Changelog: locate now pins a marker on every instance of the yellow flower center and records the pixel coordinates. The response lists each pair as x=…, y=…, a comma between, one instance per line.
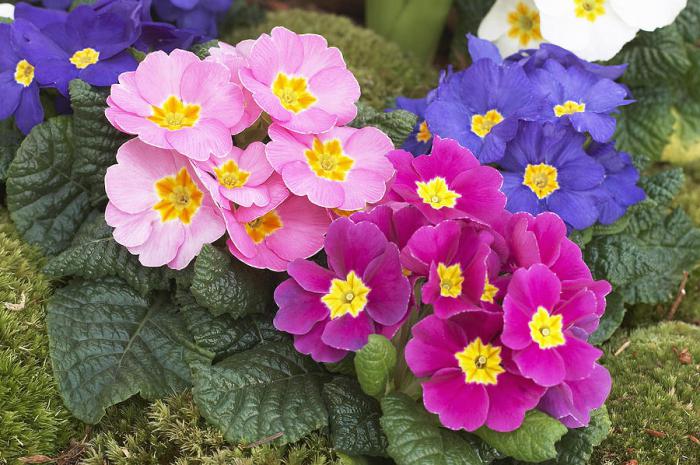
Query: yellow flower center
x=541, y=179
x=546, y=330
x=24, y=73
x=344, y=213
x=490, y=291
x=481, y=363
x=482, y=124
x=230, y=176
x=293, y=93
x=589, y=9
x=569, y=108
x=346, y=296
x=179, y=197
x=424, y=134
x=436, y=193
x=524, y=24
x=262, y=227
x=85, y=57
x=328, y=161
x=451, y=280
x=174, y=114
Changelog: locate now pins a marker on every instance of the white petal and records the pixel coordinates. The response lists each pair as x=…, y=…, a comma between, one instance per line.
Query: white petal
x=566, y=31
x=495, y=23
x=555, y=7
x=609, y=35
x=7, y=10
x=508, y=46
x=648, y=14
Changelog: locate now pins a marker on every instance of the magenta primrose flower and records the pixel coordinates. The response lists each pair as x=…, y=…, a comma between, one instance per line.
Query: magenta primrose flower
x=538, y=327
x=472, y=381
x=397, y=225
x=158, y=207
x=363, y=291
x=448, y=184
x=344, y=168
x=300, y=82
x=166, y=105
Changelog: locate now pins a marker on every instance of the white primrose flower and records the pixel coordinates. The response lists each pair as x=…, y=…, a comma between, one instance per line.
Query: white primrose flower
x=7, y=10
x=598, y=29
x=512, y=25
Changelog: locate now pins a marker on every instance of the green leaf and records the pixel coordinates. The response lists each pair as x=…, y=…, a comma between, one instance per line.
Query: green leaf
x=47, y=197
x=688, y=22
x=10, y=138
x=415, y=438
x=577, y=445
x=225, y=285
x=611, y=320
x=261, y=393
x=108, y=343
x=95, y=140
x=354, y=419
x=396, y=124
x=374, y=365
x=534, y=441
x=95, y=254
x=202, y=50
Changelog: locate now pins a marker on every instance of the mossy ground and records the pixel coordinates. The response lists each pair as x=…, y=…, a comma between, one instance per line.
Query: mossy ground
x=655, y=401
x=382, y=69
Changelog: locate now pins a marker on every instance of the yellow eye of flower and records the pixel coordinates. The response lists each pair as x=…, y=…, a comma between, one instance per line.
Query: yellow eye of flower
x=265, y=226
x=179, y=197
x=230, y=176
x=436, y=193
x=589, y=9
x=174, y=114
x=348, y=296
x=546, y=330
x=490, y=291
x=24, y=73
x=327, y=160
x=451, y=280
x=292, y=92
x=569, y=108
x=524, y=24
x=480, y=363
x=85, y=57
x=541, y=179
x=424, y=134
x=482, y=124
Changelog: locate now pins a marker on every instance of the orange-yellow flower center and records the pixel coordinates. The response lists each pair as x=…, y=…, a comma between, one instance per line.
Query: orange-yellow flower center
x=174, y=114
x=24, y=73
x=589, y=9
x=180, y=198
x=85, y=57
x=327, y=160
x=569, y=108
x=480, y=363
x=451, y=280
x=524, y=24
x=230, y=175
x=546, y=330
x=293, y=92
x=436, y=193
x=482, y=124
x=423, y=134
x=541, y=179
x=265, y=226
x=346, y=296
x=490, y=291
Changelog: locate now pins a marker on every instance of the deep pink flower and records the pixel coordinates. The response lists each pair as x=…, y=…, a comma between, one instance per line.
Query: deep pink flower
x=397, y=225
x=363, y=291
x=540, y=327
x=472, y=381
x=448, y=184
x=344, y=168
x=300, y=82
x=158, y=207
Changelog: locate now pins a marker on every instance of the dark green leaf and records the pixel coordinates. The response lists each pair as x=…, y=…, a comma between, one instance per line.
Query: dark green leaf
x=374, y=365
x=108, y=343
x=396, y=124
x=577, y=445
x=415, y=437
x=261, y=393
x=611, y=320
x=223, y=284
x=10, y=138
x=688, y=22
x=354, y=419
x=95, y=254
x=202, y=50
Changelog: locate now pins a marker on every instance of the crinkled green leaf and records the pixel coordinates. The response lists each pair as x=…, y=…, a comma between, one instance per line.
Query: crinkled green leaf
x=47, y=197
x=396, y=124
x=95, y=254
x=611, y=320
x=534, y=441
x=269, y=390
x=223, y=284
x=664, y=186
x=96, y=141
x=688, y=22
x=374, y=365
x=576, y=447
x=354, y=419
x=202, y=50
x=223, y=334
x=108, y=343
x=10, y=138
x=415, y=437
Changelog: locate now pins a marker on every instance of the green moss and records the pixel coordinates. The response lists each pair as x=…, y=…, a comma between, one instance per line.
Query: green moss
x=171, y=431
x=653, y=391
x=382, y=69
x=32, y=417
